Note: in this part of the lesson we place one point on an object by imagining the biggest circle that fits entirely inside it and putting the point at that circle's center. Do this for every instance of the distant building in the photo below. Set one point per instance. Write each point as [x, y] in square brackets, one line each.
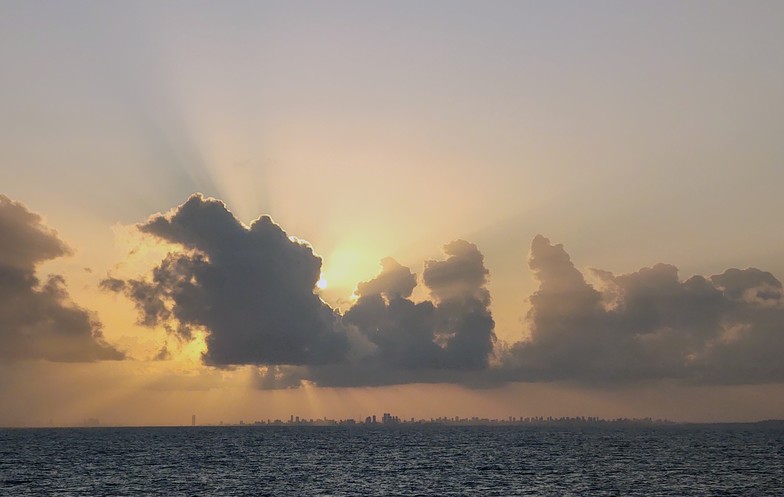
[388, 418]
[193, 420]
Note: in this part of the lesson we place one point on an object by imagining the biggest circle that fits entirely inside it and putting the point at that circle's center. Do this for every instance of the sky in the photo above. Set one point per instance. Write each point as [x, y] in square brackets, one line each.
[246, 210]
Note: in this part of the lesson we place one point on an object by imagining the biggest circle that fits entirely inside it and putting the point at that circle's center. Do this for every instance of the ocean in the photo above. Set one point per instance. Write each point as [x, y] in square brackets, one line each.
[424, 460]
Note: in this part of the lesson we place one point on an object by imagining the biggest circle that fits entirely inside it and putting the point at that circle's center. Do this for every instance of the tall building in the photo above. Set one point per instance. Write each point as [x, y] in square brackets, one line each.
[193, 420]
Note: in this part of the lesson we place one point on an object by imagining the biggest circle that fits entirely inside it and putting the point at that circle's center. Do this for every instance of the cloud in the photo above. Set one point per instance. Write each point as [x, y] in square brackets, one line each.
[649, 325]
[394, 281]
[750, 343]
[163, 354]
[26, 241]
[400, 333]
[38, 320]
[464, 323]
[251, 287]
[446, 339]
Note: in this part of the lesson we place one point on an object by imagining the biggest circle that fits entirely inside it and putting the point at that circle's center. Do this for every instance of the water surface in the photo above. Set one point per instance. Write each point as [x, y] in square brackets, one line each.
[402, 460]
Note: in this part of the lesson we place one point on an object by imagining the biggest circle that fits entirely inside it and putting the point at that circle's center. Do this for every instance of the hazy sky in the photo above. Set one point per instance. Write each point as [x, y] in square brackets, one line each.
[638, 135]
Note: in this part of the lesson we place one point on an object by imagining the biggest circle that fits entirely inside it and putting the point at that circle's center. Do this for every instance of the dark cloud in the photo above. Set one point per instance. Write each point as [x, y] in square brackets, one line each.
[432, 341]
[26, 241]
[394, 281]
[750, 344]
[401, 333]
[38, 320]
[649, 325]
[251, 288]
[464, 324]
[279, 377]
[750, 285]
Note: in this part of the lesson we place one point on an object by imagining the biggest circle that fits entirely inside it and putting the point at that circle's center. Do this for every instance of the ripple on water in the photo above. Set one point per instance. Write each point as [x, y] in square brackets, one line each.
[404, 460]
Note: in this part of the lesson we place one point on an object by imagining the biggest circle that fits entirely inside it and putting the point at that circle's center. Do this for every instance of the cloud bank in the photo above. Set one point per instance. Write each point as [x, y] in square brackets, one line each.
[38, 320]
[649, 325]
[252, 289]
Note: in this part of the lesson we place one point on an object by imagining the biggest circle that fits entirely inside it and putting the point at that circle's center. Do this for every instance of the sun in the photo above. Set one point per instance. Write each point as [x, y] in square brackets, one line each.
[321, 283]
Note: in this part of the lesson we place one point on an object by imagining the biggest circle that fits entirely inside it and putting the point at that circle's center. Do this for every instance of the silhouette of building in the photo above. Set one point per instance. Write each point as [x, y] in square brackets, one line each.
[389, 419]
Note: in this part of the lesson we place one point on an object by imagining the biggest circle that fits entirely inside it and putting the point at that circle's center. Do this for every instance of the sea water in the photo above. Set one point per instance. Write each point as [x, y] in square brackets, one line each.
[681, 460]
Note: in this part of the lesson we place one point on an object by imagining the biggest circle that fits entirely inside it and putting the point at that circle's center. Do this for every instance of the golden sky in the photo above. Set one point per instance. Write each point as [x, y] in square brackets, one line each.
[638, 136]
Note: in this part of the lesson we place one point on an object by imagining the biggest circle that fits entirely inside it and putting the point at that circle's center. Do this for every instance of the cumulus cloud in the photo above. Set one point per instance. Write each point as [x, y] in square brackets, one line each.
[445, 339]
[649, 324]
[394, 281]
[252, 289]
[402, 332]
[464, 323]
[37, 319]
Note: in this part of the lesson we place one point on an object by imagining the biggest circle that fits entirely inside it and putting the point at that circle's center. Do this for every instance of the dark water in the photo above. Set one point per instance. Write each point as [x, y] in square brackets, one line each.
[404, 460]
